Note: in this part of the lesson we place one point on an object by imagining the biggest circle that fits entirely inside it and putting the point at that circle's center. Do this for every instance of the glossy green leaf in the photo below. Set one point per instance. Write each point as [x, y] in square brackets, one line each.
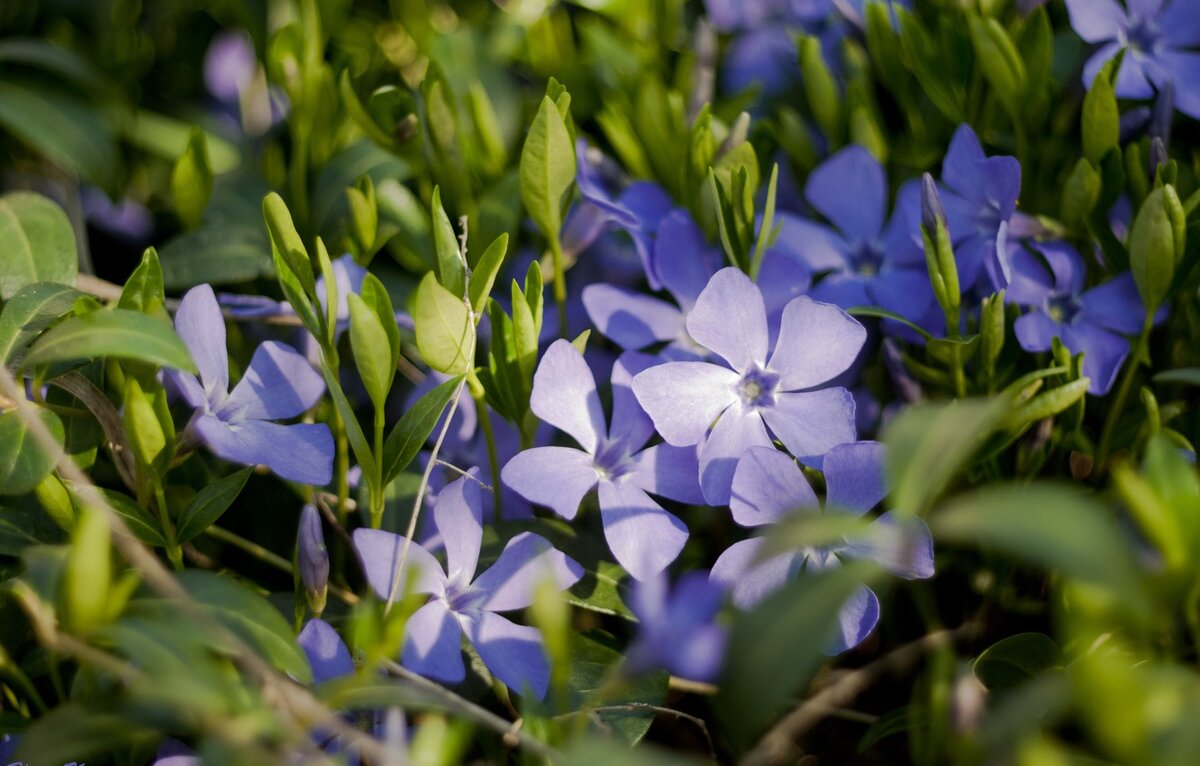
[547, 168]
[143, 290]
[483, 276]
[409, 435]
[443, 328]
[23, 525]
[85, 586]
[23, 461]
[1155, 245]
[286, 241]
[209, 504]
[34, 308]
[372, 350]
[448, 260]
[39, 243]
[61, 126]
[1011, 661]
[140, 521]
[192, 180]
[119, 334]
[1184, 376]
[1101, 118]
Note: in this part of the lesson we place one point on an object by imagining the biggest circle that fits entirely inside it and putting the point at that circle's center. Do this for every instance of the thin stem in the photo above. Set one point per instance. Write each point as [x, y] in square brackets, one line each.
[1131, 367]
[174, 553]
[377, 488]
[560, 285]
[249, 546]
[343, 465]
[489, 437]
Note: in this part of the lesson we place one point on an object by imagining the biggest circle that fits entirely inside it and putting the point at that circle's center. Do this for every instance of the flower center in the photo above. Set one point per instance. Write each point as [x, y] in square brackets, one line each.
[866, 258]
[757, 387]
[461, 597]
[611, 460]
[1062, 308]
[1143, 34]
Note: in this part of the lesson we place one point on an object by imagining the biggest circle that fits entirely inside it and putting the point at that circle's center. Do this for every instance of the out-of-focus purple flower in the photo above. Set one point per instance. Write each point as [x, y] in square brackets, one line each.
[127, 219]
[684, 262]
[765, 57]
[643, 537]
[278, 384]
[1094, 322]
[867, 260]
[980, 194]
[229, 65]
[734, 15]
[313, 557]
[768, 487]
[816, 343]
[1159, 38]
[172, 752]
[636, 210]
[8, 751]
[676, 627]
[464, 603]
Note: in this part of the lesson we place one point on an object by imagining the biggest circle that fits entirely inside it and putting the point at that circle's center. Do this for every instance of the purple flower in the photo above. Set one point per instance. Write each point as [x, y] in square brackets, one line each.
[326, 652]
[980, 194]
[769, 486]
[279, 383]
[867, 261]
[643, 537]
[464, 603]
[636, 210]
[676, 628]
[1094, 322]
[684, 262]
[816, 343]
[313, 557]
[229, 65]
[172, 752]
[732, 15]
[1158, 37]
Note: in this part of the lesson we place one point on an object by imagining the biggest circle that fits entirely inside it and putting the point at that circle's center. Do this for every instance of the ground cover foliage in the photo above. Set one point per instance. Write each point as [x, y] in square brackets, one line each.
[599, 382]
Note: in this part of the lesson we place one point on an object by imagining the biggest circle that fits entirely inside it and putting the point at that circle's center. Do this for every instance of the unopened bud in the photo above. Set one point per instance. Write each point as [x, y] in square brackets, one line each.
[939, 253]
[1164, 114]
[932, 210]
[313, 558]
[1158, 154]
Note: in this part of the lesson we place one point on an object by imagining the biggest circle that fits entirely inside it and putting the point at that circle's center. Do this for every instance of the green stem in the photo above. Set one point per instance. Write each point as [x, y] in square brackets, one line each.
[377, 488]
[489, 437]
[1131, 367]
[14, 671]
[560, 284]
[343, 466]
[254, 549]
[174, 552]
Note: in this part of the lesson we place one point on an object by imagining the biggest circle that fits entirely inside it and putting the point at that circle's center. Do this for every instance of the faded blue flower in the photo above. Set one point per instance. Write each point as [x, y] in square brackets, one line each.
[643, 537]
[785, 392]
[677, 628]
[464, 603]
[769, 486]
[236, 425]
[1159, 37]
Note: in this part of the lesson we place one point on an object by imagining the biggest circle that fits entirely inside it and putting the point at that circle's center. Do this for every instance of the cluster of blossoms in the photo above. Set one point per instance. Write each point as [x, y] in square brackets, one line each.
[727, 391]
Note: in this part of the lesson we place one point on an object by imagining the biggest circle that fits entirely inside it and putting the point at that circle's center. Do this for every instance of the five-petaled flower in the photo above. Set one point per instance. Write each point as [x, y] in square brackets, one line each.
[769, 486]
[278, 384]
[463, 603]
[816, 343]
[643, 536]
[677, 628]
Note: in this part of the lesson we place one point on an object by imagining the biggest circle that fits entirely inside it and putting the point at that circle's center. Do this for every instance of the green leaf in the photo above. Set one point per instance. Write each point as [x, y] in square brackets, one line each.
[1156, 245]
[929, 445]
[23, 461]
[1080, 193]
[445, 244]
[443, 328]
[39, 243]
[71, 731]
[796, 622]
[34, 308]
[372, 350]
[143, 290]
[141, 523]
[243, 612]
[547, 169]
[146, 436]
[1101, 118]
[766, 230]
[119, 334]
[208, 505]
[286, 241]
[820, 87]
[999, 59]
[83, 598]
[594, 751]
[192, 180]
[220, 254]
[61, 126]
[23, 525]
[1056, 527]
[1011, 661]
[1184, 376]
[483, 276]
[414, 428]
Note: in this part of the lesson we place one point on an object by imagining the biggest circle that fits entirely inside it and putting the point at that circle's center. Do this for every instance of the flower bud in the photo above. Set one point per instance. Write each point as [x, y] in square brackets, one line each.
[933, 213]
[1164, 114]
[1156, 244]
[313, 558]
[939, 254]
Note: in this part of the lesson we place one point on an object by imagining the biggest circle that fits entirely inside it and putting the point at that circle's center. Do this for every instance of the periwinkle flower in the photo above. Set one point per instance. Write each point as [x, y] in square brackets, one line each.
[769, 487]
[677, 628]
[236, 425]
[816, 343]
[1159, 38]
[643, 537]
[684, 262]
[313, 557]
[1094, 322]
[172, 752]
[464, 603]
[229, 65]
[867, 259]
[326, 652]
